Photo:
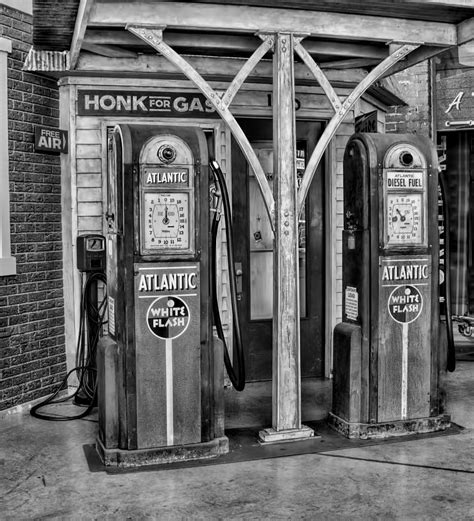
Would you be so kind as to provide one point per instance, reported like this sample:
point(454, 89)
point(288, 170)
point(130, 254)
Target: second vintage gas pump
point(160, 379)
point(387, 360)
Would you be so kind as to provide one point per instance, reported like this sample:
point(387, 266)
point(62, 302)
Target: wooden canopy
point(340, 34)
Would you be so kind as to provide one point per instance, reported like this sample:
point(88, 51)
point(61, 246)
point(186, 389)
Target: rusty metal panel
point(168, 353)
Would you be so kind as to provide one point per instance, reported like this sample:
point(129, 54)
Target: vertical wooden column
point(286, 397)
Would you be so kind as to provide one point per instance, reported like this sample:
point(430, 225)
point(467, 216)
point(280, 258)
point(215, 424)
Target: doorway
point(253, 240)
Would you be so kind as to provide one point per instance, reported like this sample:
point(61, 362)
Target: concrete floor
point(45, 475)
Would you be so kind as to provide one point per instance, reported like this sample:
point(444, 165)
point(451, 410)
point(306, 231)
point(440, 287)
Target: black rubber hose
point(236, 377)
point(85, 357)
point(451, 355)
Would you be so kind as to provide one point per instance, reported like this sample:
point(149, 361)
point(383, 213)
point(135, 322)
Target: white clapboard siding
point(89, 173)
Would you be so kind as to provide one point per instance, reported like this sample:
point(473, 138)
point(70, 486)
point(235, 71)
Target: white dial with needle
point(166, 220)
point(404, 219)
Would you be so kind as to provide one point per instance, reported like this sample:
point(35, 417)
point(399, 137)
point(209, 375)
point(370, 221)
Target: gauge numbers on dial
point(404, 219)
point(166, 218)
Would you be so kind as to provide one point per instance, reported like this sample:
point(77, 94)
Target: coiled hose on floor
point(236, 374)
point(91, 321)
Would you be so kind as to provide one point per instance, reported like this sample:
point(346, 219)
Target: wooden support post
point(286, 411)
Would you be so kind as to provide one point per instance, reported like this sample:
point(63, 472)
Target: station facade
point(276, 125)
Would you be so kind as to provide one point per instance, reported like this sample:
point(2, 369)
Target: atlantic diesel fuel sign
point(143, 104)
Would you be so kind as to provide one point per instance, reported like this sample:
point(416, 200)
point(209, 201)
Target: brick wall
point(413, 86)
point(32, 352)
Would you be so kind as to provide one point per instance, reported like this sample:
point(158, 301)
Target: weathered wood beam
point(441, 3)
point(258, 19)
point(350, 64)
point(466, 31)
point(111, 51)
point(417, 56)
point(286, 381)
point(82, 19)
point(337, 119)
point(207, 66)
point(246, 69)
point(318, 74)
point(237, 43)
point(286, 342)
point(154, 37)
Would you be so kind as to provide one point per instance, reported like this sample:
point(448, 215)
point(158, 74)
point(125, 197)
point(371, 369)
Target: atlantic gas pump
point(160, 378)
point(387, 360)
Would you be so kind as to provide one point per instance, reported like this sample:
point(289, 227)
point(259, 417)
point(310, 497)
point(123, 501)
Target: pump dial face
point(404, 219)
point(166, 220)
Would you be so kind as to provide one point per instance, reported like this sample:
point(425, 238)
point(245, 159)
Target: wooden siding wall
point(84, 173)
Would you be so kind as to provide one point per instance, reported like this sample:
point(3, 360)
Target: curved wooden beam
point(247, 68)
point(319, 75)
point(337, 119)
point(154, 37)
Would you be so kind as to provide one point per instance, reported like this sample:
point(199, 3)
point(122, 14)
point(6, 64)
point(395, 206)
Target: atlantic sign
point(144, 104)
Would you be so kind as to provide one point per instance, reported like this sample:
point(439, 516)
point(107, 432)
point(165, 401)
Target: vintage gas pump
point(159, 377)
point(387, 361)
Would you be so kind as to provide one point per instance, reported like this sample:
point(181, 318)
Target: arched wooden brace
point(154, 37)
point(341, 110)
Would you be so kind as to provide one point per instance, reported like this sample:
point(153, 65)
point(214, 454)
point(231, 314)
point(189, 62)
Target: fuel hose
point(451, 355)
point(235, 371)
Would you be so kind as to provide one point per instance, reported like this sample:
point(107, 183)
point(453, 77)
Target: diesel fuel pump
point(160, 378)
point(388, 363)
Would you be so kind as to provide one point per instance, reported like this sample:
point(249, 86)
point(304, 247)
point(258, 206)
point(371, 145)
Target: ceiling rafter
point(234, 42)
point(258, 19)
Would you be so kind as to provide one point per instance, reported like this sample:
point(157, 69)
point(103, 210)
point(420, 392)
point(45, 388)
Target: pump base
point(367, 431)
point(161, 455)
point(273, 436)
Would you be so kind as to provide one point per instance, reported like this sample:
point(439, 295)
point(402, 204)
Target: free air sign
point(51, 140)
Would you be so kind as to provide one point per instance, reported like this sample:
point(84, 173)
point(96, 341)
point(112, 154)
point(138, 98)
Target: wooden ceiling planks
point(54, 20)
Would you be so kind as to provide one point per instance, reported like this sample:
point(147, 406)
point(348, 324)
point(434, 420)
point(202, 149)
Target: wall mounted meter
point(90, 252)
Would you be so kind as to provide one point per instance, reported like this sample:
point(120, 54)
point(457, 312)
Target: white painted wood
point(254, 19)
point(89, 180)
point(417, 56)
point(234, 42)
point(108, 50)
point(207, 66)
point(88, 165)
point(286, 378)
point(319, 75)
point(89, 194)
point(71, 280)
point(88, 151)
point(87, 137)
point(80, 27)
point(465, 31)
point(246, 69)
